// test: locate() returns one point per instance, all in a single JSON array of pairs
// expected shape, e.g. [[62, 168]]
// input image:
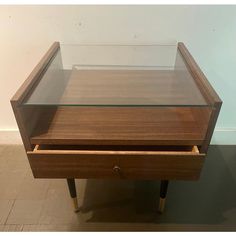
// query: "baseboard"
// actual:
[[10, 137], [224, 136], [221, 136]]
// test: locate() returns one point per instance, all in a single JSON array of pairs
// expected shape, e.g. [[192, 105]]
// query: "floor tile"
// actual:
[[230, 158], [10, 182], [15, 157], [2, 147], [3, 162], [56, 211], [11, 228], [33, 189], [25, 212], [58, 188], [9, 189], [58, 206], [46, 228], [116, 227], [5, 208], [12, 175]]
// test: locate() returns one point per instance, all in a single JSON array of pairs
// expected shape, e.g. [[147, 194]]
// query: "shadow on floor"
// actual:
[[211, 200]]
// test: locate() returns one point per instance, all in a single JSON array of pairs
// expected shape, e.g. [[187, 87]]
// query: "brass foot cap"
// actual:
[[75, 203], [76, 210], [161, 205]]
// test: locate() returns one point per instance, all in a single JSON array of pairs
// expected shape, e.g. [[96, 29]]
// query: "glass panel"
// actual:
[[117, 75], [77, 125]]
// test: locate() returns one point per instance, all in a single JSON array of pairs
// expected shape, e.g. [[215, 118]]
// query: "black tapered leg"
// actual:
[[163, 192], [72, 189]]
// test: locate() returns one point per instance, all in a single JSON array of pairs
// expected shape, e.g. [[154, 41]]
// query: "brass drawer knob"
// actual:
[[117, 169]]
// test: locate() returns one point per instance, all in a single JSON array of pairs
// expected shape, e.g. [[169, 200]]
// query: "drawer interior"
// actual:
[[117, 149]]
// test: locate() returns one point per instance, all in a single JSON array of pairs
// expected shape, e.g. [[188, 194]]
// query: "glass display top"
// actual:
[[117, 75]]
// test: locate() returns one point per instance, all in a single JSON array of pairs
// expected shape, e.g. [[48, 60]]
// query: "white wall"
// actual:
[[208, 31]]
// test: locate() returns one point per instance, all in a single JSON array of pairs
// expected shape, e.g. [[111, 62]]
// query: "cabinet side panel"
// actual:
[[185, 60], [35, 75], [27, 117], [202, 116], [211, 126], [21, 125]]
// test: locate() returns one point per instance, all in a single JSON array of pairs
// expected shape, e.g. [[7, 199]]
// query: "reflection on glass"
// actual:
[[117, 75]]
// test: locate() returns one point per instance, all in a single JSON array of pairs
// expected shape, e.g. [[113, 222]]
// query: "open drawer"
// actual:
[[128, 162]]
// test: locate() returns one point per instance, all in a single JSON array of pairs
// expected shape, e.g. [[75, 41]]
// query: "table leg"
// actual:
[[72, 189], [163, 192]]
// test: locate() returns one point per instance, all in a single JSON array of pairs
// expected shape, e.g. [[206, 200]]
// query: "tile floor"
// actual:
[[28, 204]]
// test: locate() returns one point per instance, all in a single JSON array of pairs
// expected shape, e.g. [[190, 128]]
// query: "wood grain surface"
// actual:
[[116, 164], [121, 126], [206, 89], [129, 87]]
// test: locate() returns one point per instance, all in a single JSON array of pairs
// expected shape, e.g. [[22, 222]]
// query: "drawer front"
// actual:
[[67, 165], [185, 165], [171, 167]]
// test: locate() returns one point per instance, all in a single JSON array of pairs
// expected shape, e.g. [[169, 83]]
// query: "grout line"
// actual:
[[44, 202], [5, 223]]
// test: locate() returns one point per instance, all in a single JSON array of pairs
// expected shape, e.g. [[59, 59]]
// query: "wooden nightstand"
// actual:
[[116, 111]]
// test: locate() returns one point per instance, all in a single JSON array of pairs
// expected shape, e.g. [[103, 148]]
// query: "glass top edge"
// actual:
[[112, 105], [128, 45], [120, 66]]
